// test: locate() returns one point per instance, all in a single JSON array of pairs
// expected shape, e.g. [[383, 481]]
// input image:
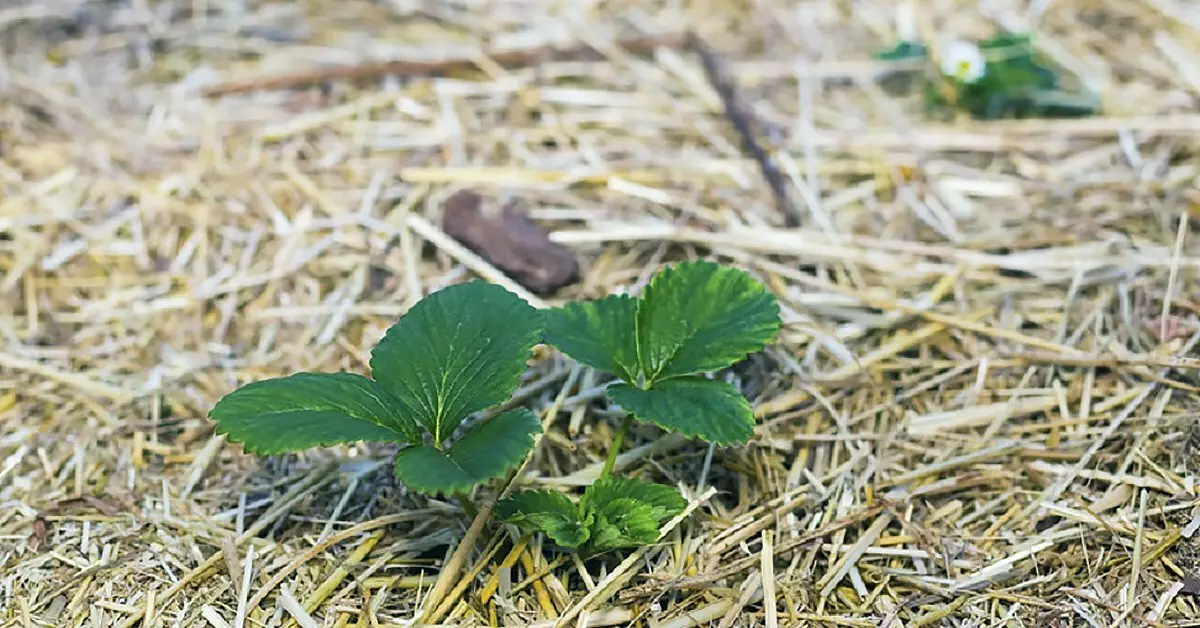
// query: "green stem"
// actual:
[[616, 446], [464, 500]]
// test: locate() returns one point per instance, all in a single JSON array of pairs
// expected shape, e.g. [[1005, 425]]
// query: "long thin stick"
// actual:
[[744, 122], [366, 71]]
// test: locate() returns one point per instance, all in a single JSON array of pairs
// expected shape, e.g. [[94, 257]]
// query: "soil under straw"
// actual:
[[977, 415]]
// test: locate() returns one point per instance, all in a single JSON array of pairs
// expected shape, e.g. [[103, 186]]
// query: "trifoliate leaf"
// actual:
[[487, 451], [692, 406], [701, 316], [457, 351], [550, 512], [306, 410], [597, 333]]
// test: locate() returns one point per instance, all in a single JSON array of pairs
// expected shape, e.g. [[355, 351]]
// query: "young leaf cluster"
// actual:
[[460, 350], [613, 513], [692, 319]]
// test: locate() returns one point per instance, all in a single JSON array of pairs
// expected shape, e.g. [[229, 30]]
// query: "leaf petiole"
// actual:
[[611, 461], [464, 500]]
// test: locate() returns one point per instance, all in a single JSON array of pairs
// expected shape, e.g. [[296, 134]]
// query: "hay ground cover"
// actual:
[[981, 411]]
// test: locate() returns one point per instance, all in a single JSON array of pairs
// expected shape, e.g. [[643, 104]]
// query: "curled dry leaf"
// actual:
[[38, 535], [511, 241]]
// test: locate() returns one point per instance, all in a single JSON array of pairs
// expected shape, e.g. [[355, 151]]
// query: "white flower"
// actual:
[[963, 61]]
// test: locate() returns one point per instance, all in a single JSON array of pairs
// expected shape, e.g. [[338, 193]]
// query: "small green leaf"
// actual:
[[457, 351], [1017, 43], [487, 451], [903, 51], [624, 523], [664, 500], [545, 511], [700, 316], [628, 513], [306, 410], [692, 406], [597, 333]]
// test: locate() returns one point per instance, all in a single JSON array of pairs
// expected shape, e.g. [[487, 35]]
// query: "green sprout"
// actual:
[[692, 319], [458, 351]]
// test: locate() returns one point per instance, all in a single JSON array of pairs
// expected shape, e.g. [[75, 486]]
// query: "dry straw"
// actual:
[[982, 411]]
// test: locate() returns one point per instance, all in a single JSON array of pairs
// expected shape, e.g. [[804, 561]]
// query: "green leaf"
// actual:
[[486, 452], [665, 501], [700, 316], [625, 523], [597, 333], [1020, 43], [628, 513], [546, 511], [903, 51], [693, 406], [613, 513], [306, 410], [457, 351]]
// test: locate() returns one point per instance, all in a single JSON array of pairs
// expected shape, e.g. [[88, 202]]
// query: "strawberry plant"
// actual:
[[692, 319], [462, 350], [458, 351], [1000, 77]]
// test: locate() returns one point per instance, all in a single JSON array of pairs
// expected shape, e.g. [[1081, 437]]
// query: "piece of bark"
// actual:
[[1191, 584], [510, 241]]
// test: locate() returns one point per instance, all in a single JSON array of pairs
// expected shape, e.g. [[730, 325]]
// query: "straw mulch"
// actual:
[[981, 412]]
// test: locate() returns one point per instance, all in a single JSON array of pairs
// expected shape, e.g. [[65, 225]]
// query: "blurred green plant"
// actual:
[[1000, 77]]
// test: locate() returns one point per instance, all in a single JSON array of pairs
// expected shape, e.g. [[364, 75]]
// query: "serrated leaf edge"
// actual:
[[586, 515], [675, 268], [220, 428], [512, 385], [444, 489], [595, 516], [689, 434], [583, 521], [250, 448], [627, 376], [446, 454]]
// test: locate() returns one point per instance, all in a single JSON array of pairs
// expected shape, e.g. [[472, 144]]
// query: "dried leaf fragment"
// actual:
[[1191, 584], [511, 241]]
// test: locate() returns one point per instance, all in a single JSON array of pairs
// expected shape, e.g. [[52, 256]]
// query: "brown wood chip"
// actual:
[[511, 241], [1191, 584]]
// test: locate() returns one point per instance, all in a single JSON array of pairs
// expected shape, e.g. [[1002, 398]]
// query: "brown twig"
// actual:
[[1107, 361], [743, 120], [402, 68]]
